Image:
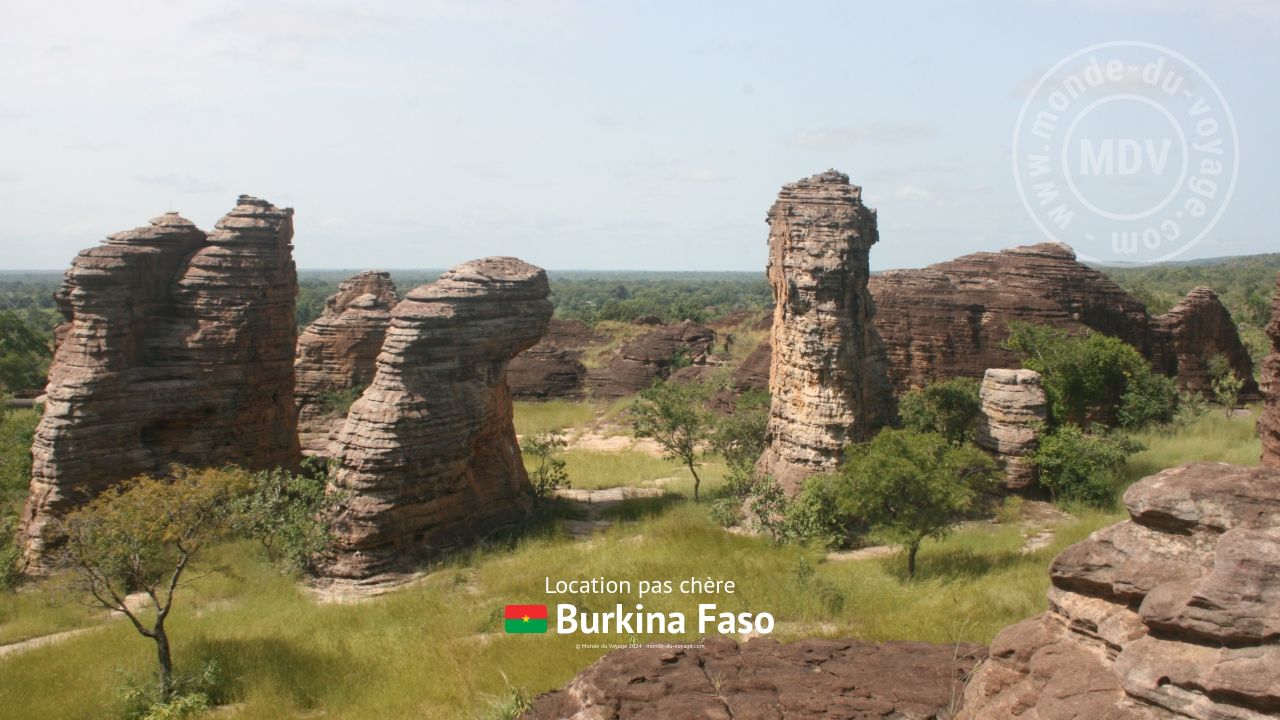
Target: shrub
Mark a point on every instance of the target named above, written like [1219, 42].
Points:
[337, 403]
[739, 438]
[548, 473]
[947, 407]
[287, 512]
[676, 417]
[1081, 467]
[767, 508]
[726, 512]
[10, 553]
[814, 515]
[1224, 382]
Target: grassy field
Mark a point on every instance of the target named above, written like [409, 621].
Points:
[436, 650]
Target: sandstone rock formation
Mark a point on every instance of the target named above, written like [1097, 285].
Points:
[827, 378]
[1190, 334]
[177, 348]
[760, 678]
[427, 458]
[1269, 423]
[1014, 408]
[553, 368]
[1172, 614]
[650, 357]
[336, 353]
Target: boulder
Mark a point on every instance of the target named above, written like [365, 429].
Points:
[650, 357]
[827, 379]
[1172, 614]
[177, 347]
[1013, 412]
[761, 678]
[427, 458]
[337, 352]
[1269, 423]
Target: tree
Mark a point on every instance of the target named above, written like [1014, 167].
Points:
[24, 354]
[908, 485]
[739, 438]
[549, 473]
[947, 407]
[1079, 466]
[288, 513]
[142, 535]
[676, 417]
[1224, 382]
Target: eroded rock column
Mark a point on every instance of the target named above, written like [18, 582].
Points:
[827, 378]
[428, 456]
[1269, 423]
[1013, 412]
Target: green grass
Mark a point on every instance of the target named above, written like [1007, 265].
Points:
[536, 417]
[1211, 437]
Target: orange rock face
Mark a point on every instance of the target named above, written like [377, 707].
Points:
[427, 458]
[1269, 423]
[177, 348]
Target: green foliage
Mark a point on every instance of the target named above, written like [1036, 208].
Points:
[908, 486]
[287, 513]
[739, 438]
[670, 297]
[675, 415]
[726, 512]
[548, 472]
[947, 407]
[192, 695]
[1010, 510]
[767, 507]
[1094, 377]
[10, 553]
[814, 515]
[25, 353]
[1225, 383]
[17, 430]
[1076, 466]
[337, 403]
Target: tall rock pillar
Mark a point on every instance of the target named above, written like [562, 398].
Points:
[1269, 423]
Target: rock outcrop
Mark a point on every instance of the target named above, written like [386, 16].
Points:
[827, 379]
[1269, 423]
[337, 352]
[427, 457]
[1172, 614]
[1013, 412]
[177, 348]
[650, 357]
[1192, 333]
[553, 368]
[760, 678]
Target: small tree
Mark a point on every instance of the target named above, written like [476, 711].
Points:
[1224, 382]
[947, 407]
[1079, 466]
[142, 535]
[288, 513]
[548, 472]
[676, 417]
[739, 438]
[908, 486]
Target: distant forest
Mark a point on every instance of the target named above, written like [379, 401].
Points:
[28, 315]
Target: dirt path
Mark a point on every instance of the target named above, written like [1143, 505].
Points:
[595, 502]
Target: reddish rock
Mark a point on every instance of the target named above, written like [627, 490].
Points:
[1172, 614]
[336, 353]
[553, 368]
[653, 356]
[1269, 423]
[177, 347]
[1188, 336]
[762, 679]
[827, 381]
[427, 458]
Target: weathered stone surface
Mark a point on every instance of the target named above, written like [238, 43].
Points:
[1194, 331]
[1269, 423]
[553, 368]
[427, 457]
[761, 679]
[650, 357]
[336, 353]
[1014, 408]
[177, 348]
[827, 379]
[1174, 613]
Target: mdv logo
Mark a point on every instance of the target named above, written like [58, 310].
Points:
[1114, 157]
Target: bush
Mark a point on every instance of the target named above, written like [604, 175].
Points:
[1076, 466]
[337, 403]
[287, 513]
[548, 473]
[17, 430]
[726, 512]
[10, 553]
[739, 438]
[814, 515]
[947, 407]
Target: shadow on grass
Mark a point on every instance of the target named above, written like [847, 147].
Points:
[643, 508]
[289, 671]
[955, 565]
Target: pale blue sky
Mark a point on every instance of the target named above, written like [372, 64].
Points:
[609, 135]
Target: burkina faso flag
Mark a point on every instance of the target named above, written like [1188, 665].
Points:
[526, 618]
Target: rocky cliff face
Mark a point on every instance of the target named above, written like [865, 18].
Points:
[177, 348]
[1269, 423]
[652, 356]
[803, 680]
[337, 352]
[1172, 614]
[1014, 407]
[1190, 334]
[427, 457]
[553, 368]
[827, 378]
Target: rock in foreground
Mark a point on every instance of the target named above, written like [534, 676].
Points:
[764, 680]
[427, 456]
[1172, 614]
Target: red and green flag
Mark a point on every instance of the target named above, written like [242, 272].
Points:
[526, 618]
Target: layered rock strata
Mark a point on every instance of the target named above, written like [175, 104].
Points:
[553, 368]
[1013, 412]
[760, 678]
[1269, 423]
[827, 378]
[336, 354]
[427, 457]
[650, 357]
[1191, 334]
[177, 347]
[1172, 614]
